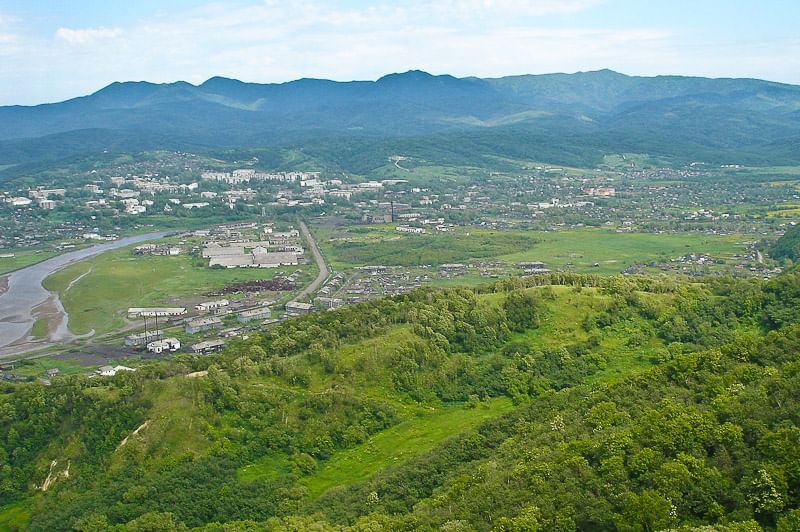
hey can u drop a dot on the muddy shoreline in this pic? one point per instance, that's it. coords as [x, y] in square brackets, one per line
[23, 300]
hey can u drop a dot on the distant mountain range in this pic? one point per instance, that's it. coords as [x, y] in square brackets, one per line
[602, 111]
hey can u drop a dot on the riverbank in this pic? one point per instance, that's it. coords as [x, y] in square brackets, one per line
[24, 300]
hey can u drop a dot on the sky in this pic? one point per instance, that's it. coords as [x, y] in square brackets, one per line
[52, 50]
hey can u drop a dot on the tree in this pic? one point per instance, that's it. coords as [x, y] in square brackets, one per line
[526, 520]
[523, 310]
[155, 522]
[644, 513]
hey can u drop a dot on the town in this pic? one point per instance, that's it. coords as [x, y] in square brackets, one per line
[245, 220]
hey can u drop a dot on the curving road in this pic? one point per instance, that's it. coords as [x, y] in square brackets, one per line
[319, 259]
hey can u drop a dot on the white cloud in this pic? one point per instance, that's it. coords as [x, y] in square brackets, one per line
[529, 8]
[87, 35]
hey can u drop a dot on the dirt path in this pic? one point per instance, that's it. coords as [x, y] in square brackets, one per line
[397, 160]
[134, 433]
[78, 278]
[319, 259]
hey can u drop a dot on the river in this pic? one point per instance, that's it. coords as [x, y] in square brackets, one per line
[25, 299]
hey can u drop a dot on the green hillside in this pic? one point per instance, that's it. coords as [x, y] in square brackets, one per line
[561, 402]
[787, 246]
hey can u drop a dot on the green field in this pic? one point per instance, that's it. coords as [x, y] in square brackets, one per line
[104, 287]
[613, 252]
[35, 367]
[578, 249]
[787, 210]
[383, 245]
[23, 258]
[269, 467]
[562, 326]
[399, 443]
[39, 329]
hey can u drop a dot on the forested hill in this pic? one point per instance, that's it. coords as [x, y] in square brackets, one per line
[562, 402]
[717, 119]
[787, 246]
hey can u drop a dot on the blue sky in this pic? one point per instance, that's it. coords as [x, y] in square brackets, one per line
[51, 50]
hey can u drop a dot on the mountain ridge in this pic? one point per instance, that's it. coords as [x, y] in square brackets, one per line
[715, 113]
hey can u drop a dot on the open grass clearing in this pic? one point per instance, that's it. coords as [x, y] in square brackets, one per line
[612, 252]
[400, 442]
[587, 250]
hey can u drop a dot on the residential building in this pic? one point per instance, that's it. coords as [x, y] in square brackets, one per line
[152, 312]
[296, 308]
[260, 313]
[203, 324]
[208, 306]
[141, 338]
[209, 346]
[165, 345]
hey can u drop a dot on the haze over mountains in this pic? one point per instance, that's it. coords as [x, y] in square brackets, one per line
[731, 120]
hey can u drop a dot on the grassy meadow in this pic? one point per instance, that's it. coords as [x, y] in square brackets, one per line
[97, 292]
[410, 437]
[23, 258]
[581, 249]
[587, 250]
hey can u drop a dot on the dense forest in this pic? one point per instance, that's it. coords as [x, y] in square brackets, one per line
[560, 402]
[787, 246]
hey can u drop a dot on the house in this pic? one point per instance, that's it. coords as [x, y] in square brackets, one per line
[110, 371]
[141, 338]
[297, 309]
[273, 260]
[208, 306]
[52, 372]
[160, 250]
[152, 312]
[203, 324]
[44, 193]
[19, 202]
[409, 229]
[329, 302]
[602, 192]
[230, 332]
[284, 237]
[231, 261]
[260, 313]
[209, 346]
[530, 265]
[167, 344]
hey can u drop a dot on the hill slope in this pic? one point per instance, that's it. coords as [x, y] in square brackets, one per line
[553, 403]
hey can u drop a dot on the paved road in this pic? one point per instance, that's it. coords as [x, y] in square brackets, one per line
[323, 268]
